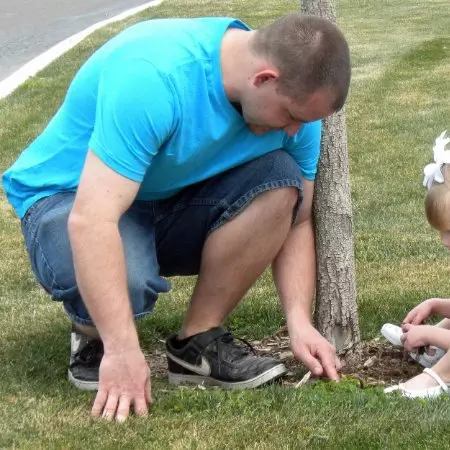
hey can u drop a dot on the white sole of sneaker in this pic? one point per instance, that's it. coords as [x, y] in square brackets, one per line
[83, 385]
[269, 375]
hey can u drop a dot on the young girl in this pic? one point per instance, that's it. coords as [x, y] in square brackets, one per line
[413, 335]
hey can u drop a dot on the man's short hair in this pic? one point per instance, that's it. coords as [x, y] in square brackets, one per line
[310, 52]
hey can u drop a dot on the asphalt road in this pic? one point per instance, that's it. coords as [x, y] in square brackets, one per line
[30, 27]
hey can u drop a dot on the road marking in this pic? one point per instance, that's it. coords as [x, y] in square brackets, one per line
[31, 68]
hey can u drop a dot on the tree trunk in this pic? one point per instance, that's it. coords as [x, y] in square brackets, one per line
[336, 312]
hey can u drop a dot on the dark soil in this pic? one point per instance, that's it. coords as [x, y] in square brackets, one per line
[373, 362]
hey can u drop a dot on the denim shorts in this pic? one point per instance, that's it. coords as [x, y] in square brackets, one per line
[161, 238]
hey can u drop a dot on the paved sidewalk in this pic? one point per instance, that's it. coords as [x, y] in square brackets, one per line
[30, 27]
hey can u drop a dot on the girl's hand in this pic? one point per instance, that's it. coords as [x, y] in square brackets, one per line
[421, 312]
[415, 336]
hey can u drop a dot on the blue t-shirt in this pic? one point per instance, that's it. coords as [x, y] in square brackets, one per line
[150, 103]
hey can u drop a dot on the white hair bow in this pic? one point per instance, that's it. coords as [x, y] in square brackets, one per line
[433, 172]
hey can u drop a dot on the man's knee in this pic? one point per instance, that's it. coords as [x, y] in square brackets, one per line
[281, 204]
[283, 199]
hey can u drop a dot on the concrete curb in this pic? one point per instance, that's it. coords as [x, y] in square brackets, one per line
[32, 67]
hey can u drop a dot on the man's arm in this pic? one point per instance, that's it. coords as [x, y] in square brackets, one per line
[102, 197]
[294, 271]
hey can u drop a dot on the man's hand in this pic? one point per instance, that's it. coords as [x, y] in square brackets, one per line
[124, 382]
[315, 352]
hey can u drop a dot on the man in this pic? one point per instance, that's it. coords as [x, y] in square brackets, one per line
[183, 146]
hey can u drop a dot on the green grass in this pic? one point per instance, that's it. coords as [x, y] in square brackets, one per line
[399, 102]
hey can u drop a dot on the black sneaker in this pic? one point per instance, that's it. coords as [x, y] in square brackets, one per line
[85, 357]
[214, 358]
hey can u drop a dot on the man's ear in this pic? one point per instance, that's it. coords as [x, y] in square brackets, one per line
[265, 76]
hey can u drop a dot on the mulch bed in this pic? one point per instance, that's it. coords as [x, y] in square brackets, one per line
[373, 362]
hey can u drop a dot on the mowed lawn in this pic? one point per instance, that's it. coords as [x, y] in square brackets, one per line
[399, 102]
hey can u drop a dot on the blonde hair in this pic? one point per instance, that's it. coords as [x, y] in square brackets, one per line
[437, 202]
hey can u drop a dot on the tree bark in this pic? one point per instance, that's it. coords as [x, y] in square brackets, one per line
[336, 311]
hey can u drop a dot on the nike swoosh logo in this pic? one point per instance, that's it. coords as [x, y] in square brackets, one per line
[76, 340]
[203, 369]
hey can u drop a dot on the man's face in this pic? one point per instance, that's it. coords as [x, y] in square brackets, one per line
[266, 110]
